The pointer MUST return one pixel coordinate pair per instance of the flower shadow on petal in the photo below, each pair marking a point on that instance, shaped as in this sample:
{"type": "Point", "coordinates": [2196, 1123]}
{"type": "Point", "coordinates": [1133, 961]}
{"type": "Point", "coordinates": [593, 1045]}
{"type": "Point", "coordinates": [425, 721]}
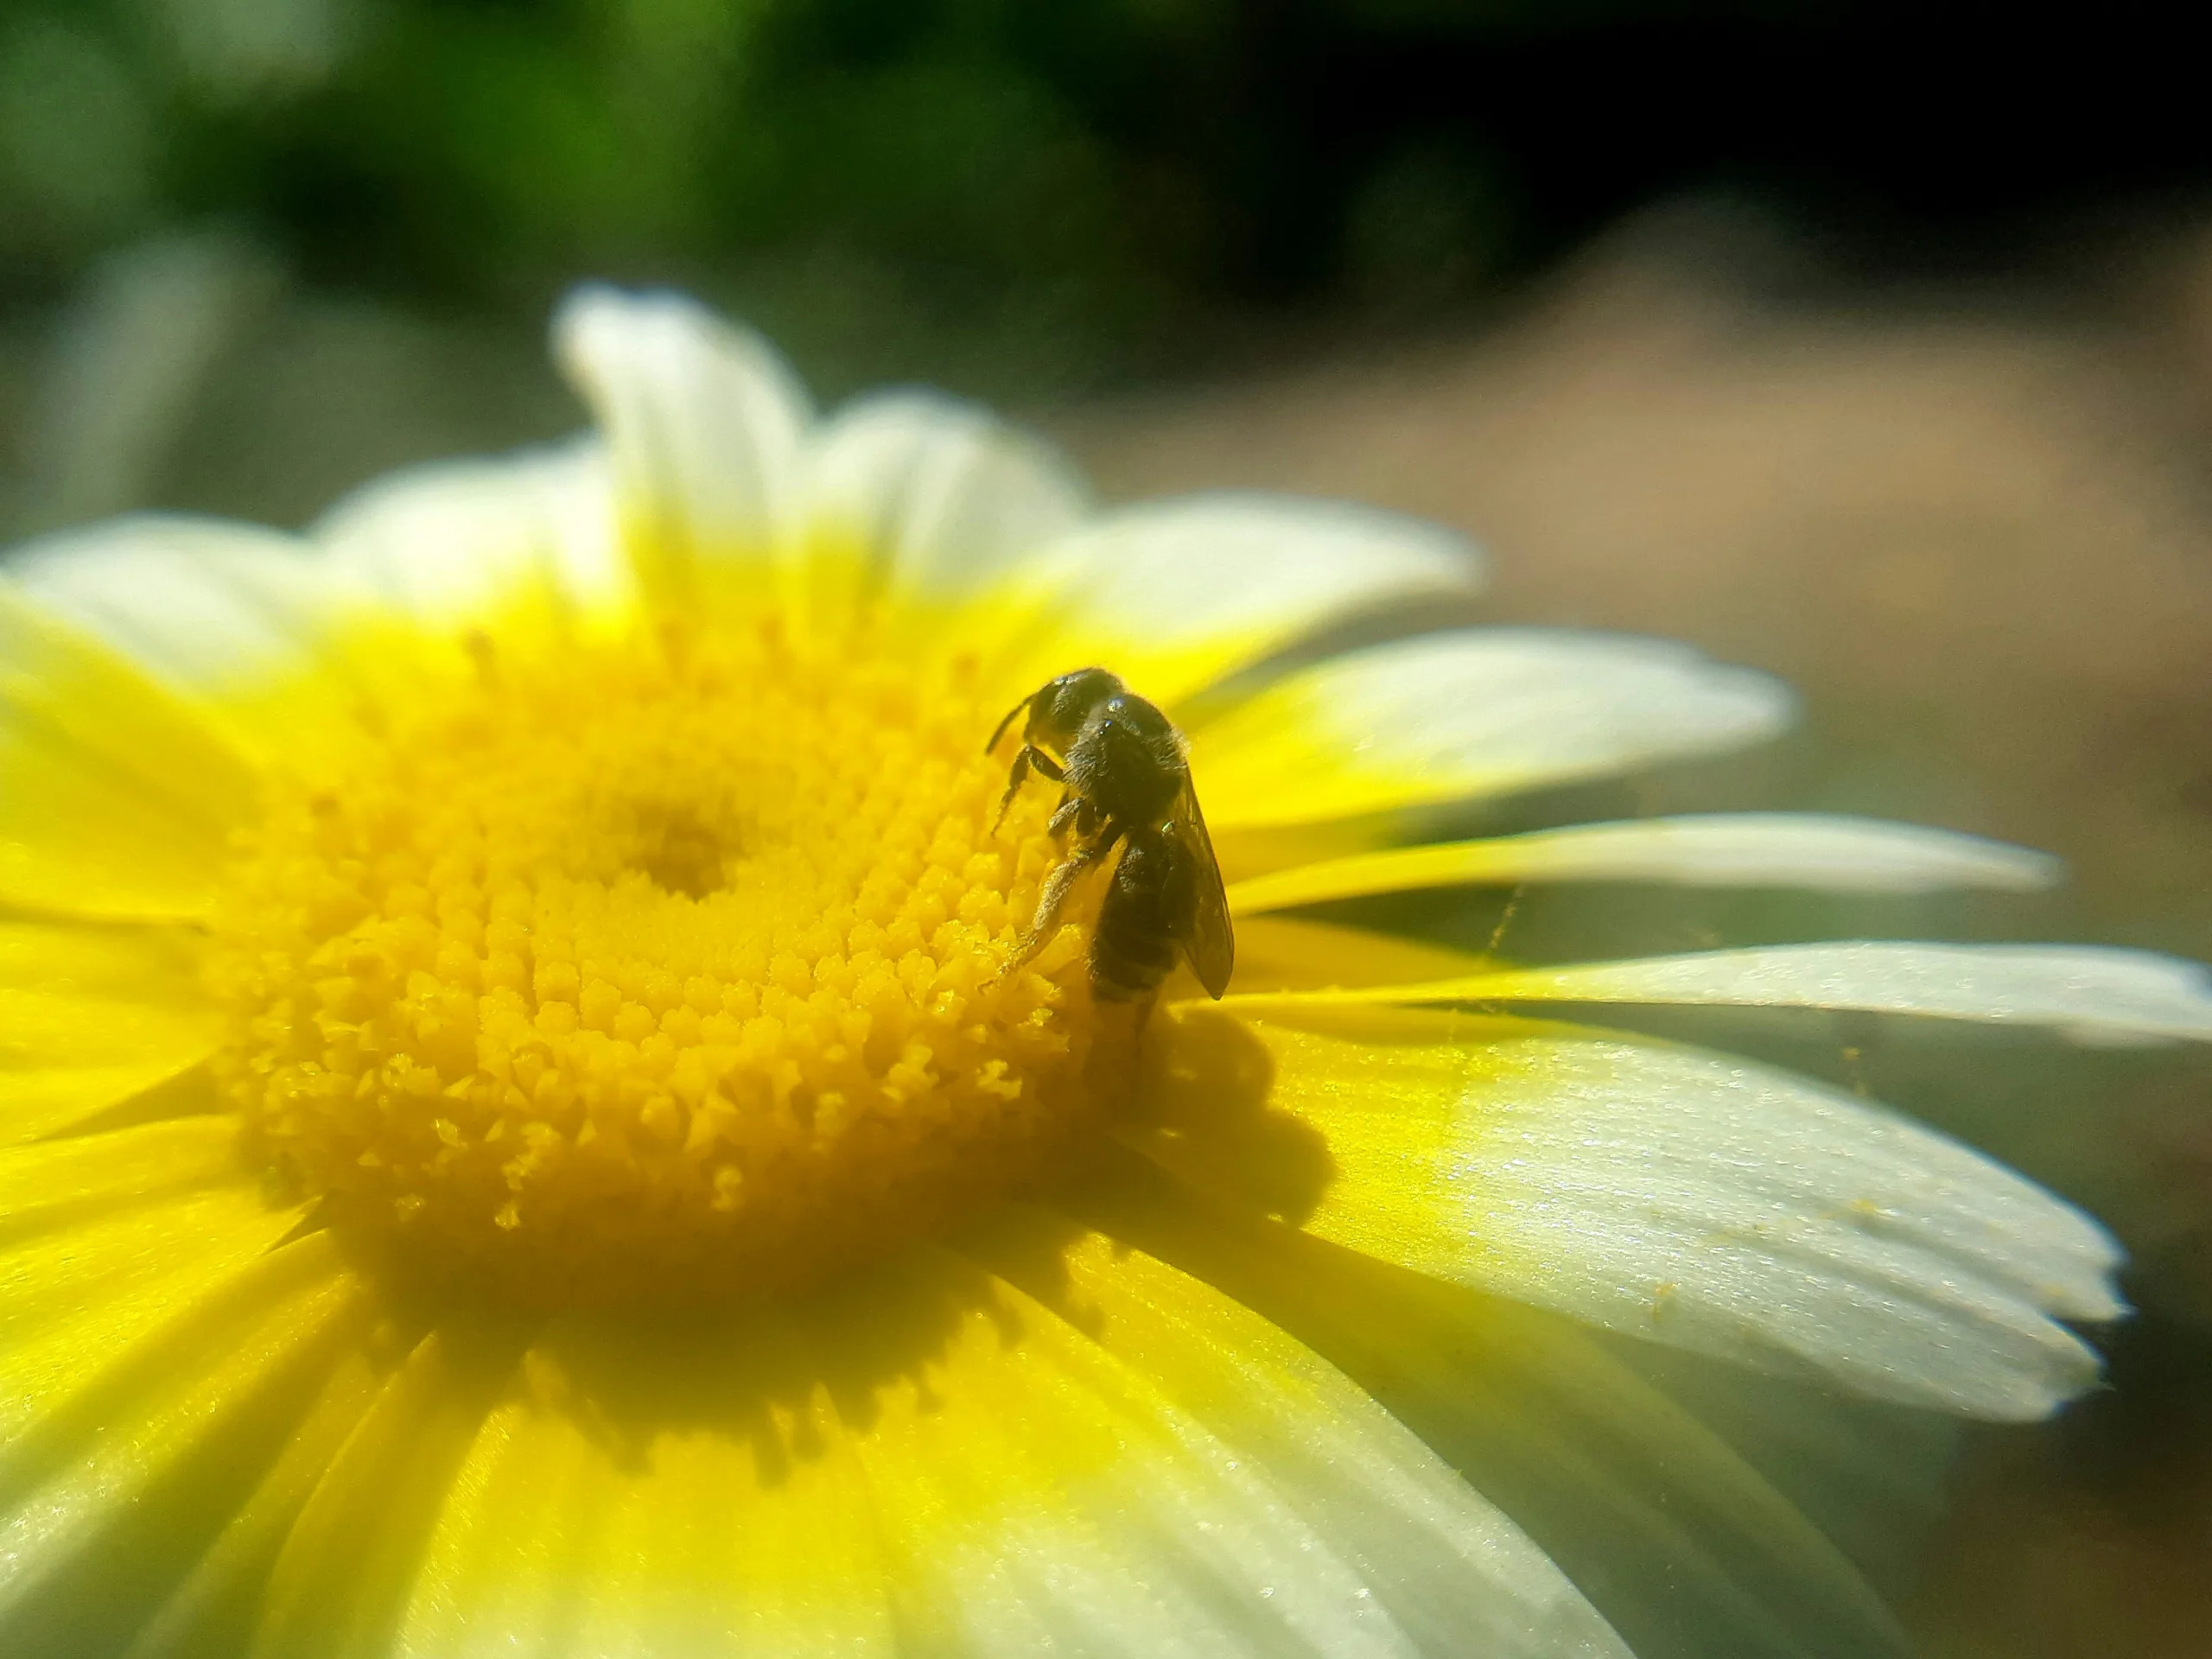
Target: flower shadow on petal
{"type": "Point", "coordinates": [755, 1374]}
{"type": "Point", "coordinates": [788, 1387]}
{"type": "Point", "coordinates": [1206, 1082]}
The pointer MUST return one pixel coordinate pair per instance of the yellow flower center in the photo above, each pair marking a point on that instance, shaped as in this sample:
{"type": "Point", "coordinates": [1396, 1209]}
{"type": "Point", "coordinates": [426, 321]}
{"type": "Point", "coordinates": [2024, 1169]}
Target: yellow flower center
{"type": "Point", "coordinates": [669, 966]}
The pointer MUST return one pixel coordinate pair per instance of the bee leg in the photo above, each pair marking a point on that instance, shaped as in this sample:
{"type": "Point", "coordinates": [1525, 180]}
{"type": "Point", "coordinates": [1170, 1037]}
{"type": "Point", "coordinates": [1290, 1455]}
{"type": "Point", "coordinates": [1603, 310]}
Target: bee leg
{"type": "Point", "coordinates": [1080, 812]}
{"type": "Point", "coordinates": [1028, 759]}
{"type": "Point", "coordinates": [1015, 780]}
{"type": "Point", "coordinates": [1072, 810]}
{"type": "Point", "coordinates": [1054, 898]}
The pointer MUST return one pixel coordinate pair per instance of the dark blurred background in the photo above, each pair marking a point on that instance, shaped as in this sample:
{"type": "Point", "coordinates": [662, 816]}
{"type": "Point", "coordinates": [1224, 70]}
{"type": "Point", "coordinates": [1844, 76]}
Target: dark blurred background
{"type": "Point", "coordinates": [1117, 188]}
{"type": "Point", "coordinates": [1869, 343]}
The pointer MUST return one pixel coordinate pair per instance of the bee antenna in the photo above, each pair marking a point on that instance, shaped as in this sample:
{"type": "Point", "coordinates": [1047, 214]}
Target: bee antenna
{"type": "Point", "coordinates": [1009, 720]}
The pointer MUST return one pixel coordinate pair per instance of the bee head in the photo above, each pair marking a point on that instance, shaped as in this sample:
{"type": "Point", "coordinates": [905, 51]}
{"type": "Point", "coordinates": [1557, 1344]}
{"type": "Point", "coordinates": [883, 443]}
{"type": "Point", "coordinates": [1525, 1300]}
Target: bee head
{"type": "Point", "coordinates": [1059, 710]}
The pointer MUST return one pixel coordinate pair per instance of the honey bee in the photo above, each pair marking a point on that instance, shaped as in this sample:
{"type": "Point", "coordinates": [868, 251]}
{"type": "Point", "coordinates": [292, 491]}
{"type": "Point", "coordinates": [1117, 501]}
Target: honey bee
{"type": "Point", "coordinates": [1126, 782]}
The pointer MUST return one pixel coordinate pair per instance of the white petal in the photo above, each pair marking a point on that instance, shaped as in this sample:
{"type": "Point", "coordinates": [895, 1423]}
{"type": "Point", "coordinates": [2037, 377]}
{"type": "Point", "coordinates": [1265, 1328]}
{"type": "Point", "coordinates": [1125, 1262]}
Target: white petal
{"type": "Point", "coordinates": [1175, 595]}
{"type": "Point", "coordinates": [219, 613]}
{"type": "Point", "coordinates": [119, 797]}
{"type": "Point", "coordinates": [1468, 714]}
{"type": "Point", "coordinates": [1724, 1208]}
{"type": "Point", "coordinates": [1693, 1199]}
{"type": "Point", "coordinates": [1440, 1558]}
{"type": "Point", "coordinates": [1741, 849]}
{"type": "Point", "coordinates": [1679, 1545]}
{"type": "Point", "coordinates": [2090, 993]}
{"type": "Point", "coordinates": [702, 421]}
{"type": "Point", "coordinates": [936, 494]}
{"type": "Point", "coordinates": [1042, 1495]}
{"type": "Point", "coordinates": [455, 543]}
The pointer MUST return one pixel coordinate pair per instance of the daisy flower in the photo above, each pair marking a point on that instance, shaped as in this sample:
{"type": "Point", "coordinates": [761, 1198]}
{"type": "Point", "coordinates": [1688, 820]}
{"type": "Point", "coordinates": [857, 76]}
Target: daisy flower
{"type": "Point", "coordinates": [532, 1124]}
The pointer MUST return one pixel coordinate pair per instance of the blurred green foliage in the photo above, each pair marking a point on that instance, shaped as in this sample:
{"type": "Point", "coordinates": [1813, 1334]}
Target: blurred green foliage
{"type": "Point", "coordinates": [1083, 187]}
{"type": "Point", "coordinates": [1092, 170]}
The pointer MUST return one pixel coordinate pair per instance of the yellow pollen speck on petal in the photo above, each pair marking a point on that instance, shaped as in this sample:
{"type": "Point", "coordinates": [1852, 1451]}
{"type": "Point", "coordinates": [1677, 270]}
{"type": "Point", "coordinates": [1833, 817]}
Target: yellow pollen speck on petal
{"type": "Point", "coordinates": [671, 966]}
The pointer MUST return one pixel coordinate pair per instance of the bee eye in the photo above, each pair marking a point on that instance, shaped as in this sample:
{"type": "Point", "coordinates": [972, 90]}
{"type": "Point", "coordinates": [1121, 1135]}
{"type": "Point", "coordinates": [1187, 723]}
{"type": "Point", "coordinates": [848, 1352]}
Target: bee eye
{"type": "Point", "coordinates": [1071, 697]}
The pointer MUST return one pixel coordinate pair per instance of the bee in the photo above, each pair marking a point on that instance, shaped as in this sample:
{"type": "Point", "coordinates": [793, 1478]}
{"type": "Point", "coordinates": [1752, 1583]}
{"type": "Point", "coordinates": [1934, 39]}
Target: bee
{"type": "Point", "coordinates": [1126, 782]}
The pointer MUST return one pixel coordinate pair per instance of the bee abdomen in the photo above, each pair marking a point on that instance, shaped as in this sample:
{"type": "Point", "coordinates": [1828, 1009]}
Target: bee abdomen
{"type": "Point", "coordinates": [1122, 969]}
{"type": "Point", "coordinates": [1144, 920]}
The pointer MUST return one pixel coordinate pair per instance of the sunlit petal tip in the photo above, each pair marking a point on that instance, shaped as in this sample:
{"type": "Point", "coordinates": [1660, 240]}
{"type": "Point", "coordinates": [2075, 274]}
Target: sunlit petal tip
{"type": "Point", "coordinates": [450, 542]}
{"type": "Point", "coordinates": [1692, 1200]}
{"type": "Point", "coordinates": [936, 491]}
{"type": "Point", "coordinates": [204, 605]}
{"type": "Point", "coordinates": [1183, 593]}
{"type": "Point", "coordinates": [115, 797]}
{"type": "Point", "coordinates": [1746, 849]}
{"type": "Point", "coordinates": [2089, 993]}
{"type": "Point", "coordinates": [1809, 850]}
{"type": "Point", "coordinates": [704, 420]}
{"type": "Point", "coordinates": [1470, 713]}
{"type": "Point", "coordinates": [604, 335]}
{"type": "Point", "coordinates": [1371, 553]}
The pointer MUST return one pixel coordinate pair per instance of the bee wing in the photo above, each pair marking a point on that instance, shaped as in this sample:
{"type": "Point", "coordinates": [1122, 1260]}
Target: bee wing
{"type": "Point", "coordinates": [1212, 945]}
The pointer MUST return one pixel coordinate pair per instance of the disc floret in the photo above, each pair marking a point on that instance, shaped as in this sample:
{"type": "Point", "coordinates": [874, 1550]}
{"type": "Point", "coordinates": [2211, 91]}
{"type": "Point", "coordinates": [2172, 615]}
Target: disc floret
{"type": "Point", "coordinates": [670, 965]}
